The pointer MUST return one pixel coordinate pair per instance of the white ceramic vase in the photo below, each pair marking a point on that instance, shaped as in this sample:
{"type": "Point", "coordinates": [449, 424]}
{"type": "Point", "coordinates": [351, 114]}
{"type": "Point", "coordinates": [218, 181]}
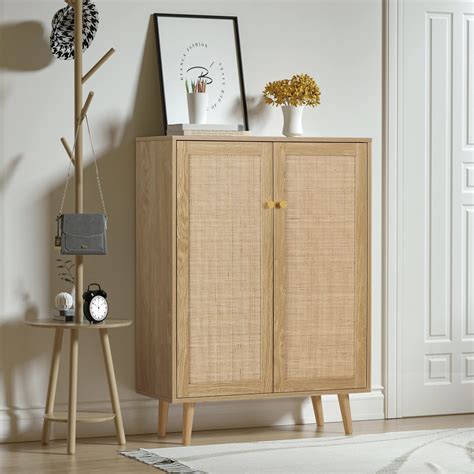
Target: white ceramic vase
{"type": "Point", "coordinates": [292, 120]}
{"type": "Point", "coordinates": [197, 107]}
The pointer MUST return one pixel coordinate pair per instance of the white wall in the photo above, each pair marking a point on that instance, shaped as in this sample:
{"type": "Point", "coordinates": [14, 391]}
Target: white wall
{"type": "Point", "coordinates": [338, 42]}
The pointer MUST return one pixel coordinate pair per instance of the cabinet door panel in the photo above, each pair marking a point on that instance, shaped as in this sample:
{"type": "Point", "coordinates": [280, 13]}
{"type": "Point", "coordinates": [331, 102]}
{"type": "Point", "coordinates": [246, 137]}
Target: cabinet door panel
{"type": "Point", "coordinates": [321, 266]}
{"type": "Point", "coordinates": [225, 268]}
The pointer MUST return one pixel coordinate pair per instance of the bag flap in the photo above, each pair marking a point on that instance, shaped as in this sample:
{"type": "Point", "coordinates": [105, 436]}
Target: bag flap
{"type": "Point", "coordinates": [83, 225]}
{"type": "Point", "coordinates": [94, 243]}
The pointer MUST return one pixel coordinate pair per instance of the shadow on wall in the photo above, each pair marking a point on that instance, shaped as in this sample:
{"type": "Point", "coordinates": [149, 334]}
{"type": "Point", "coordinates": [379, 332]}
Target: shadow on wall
{"type": "Point", "coordinates": [115, 272]}
{"type": "Point", "coordinates": [30, 45]}
{"type": "Point", "coordinates": [14, 356]}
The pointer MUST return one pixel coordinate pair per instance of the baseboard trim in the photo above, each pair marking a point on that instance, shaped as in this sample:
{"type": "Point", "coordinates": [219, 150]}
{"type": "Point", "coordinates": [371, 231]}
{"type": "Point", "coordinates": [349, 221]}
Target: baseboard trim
{"type": "Point", "coordinates": [140, 416]}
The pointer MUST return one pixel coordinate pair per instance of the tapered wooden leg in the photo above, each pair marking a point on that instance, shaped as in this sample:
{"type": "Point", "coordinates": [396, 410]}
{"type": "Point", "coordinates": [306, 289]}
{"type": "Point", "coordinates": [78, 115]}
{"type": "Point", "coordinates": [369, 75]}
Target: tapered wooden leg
{"type": "Point", "coordinates": [318, 409]}
{"type": "Point", "coordinates": [188, 415]}
{"type": "Point", "coordinates": [345, 412]}
{"type": "Point", "coordinates": [109, 367]}
{"type": "Point", "coordinates": [53, 381]}
{"type": "Point", "coordinates": [162, 418]}
{"type": "Point", "coordinates": [71, 419]}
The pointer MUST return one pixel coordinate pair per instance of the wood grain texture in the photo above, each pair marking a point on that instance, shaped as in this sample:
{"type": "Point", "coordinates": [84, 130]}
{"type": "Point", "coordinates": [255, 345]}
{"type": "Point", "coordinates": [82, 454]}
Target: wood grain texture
{"type": "Point", "coordinates": [155, 269]}
{"type": "Point", "coordinates": [72, 402]}
{"type": "Point", "coordinates": [362, 265]}
{"type": "Point", "coordinates": [205, 398]}
{"type": "Point", "coordinates": [318, 409]}
{"type": "Point", "coordinates": [345, 406]}
{"type": "Point", "coordinates": [188, 417]}
{"type": "Point", "coordinates": [113, 391]}
{"type": "Point", "coordinates": [99, 455]}
{"type": "Point", "coordinates": [53, 324]}
{"type": "Point", "coordinates": [52, 383]}
{"type": "Point", "coordinates": [320, 267]}
{"type": "Point", "coordinates": [81, 417]}
{"type": "Point", "coordinates": [220, 138]}
{"type": "Point", "coordinates": [224, 268]}
{"type": "Point", "coordinates": [204, 203]}
{"type": "Point", "coordinates": [163, 411]}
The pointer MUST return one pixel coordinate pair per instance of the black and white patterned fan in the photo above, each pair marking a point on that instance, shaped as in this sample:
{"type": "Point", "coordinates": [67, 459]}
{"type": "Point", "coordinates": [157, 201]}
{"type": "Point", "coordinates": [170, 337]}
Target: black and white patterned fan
{"type": "Point", "coordinates": [62, 34]}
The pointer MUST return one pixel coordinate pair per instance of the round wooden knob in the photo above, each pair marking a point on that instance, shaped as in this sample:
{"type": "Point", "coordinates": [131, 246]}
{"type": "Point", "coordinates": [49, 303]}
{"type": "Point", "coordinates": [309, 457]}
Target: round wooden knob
{"type": "Point", "coordinates": [269, 204]}
{"type": "Point", "coordinates": [281, 205]}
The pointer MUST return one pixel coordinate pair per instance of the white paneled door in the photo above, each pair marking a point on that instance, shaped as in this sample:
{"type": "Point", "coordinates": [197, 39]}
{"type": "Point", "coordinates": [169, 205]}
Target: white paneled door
{"type": "Point", "coordinates": [437, 207]}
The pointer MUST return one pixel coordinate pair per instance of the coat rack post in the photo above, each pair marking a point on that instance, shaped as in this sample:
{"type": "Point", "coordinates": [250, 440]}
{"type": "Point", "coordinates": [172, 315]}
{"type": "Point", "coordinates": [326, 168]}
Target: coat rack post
{"type": "Point", "coordinates": [78, 155]}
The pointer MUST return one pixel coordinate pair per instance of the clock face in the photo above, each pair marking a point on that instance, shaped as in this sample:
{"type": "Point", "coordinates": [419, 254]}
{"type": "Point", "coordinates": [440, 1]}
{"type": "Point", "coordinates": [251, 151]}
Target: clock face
{"type": "Point", "coordinates": [199, 62]}
{"type": "Point", "coordinates": [98, 308]}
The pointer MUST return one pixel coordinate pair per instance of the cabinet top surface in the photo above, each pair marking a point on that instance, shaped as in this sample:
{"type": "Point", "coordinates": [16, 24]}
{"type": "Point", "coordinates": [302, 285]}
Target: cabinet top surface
{"type": "Point", "coordinates": [255, 138]}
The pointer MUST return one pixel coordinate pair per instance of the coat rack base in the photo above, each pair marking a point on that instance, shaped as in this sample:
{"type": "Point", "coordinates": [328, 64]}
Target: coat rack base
{"type": "Point", "coordinates": [73, 416]}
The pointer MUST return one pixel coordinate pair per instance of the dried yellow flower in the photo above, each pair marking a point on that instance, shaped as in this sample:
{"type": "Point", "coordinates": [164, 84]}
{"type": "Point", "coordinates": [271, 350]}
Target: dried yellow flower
{"type": "Point", "coordinates": [301, 89]}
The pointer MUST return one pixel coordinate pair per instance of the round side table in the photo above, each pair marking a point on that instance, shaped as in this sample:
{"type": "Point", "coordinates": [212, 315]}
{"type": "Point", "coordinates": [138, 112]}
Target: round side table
{"type": "Point", "coordinates": [72, 416]}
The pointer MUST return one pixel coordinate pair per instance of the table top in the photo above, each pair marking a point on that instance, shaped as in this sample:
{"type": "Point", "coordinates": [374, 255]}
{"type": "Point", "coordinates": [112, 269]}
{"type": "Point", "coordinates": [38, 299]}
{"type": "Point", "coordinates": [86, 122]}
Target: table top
{"type": "Point", "coordinates": [52, 323]}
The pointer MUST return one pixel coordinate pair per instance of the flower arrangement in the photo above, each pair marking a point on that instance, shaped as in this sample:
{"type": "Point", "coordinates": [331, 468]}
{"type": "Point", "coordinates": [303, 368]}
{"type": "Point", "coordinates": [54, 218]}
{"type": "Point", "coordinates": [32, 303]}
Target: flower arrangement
{"type": "Point", "coordinates": [301, 89]}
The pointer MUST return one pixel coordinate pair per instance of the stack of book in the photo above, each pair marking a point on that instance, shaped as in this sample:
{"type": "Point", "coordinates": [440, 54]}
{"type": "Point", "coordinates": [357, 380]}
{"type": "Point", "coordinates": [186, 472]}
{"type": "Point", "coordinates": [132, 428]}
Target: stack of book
{"type": "Point", "coordinates": [182, 129]}
{"type": "Point", "coordinates": [64, 315]}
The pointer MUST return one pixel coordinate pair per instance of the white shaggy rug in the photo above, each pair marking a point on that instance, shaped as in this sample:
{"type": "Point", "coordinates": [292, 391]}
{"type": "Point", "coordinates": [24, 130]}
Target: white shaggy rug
{"type": "Point", "coordinates": [434, 451]}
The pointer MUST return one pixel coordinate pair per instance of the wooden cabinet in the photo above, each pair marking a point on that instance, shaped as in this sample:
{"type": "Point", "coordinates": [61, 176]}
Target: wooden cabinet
{"type": "Point", "coordinates": [253, 265]}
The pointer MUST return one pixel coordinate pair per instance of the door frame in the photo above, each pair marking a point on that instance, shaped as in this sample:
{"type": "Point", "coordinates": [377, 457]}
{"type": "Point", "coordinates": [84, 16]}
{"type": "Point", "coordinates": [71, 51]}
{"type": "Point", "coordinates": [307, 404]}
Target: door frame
{"type": "Point", "coordinates": [392, 167]}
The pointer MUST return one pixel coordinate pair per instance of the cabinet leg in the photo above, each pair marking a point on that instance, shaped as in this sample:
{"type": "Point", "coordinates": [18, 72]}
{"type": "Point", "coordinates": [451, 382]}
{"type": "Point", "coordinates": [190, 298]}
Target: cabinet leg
{"type": "Point", "coordinates": [114, 398]}
{"type": "Point", "coordinates": [318, 409]}
{"type": "Point", "coordinates": [345, 412]}
{"type": "Point", "coordinates": [188, 415]}
{"type": "Point", "coordinates": [72, 407]}
{"type": "Point", "coordinates": [53, 381]}
{"type": "Point", "coordinates": [162, 418]}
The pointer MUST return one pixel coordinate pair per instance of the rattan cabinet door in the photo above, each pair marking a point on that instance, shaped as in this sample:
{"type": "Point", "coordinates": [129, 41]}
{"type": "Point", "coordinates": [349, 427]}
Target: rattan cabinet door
{"type": "Point", "coordinates": [321, 266]}
{"type": "Point", "coordinates": [224, 268]}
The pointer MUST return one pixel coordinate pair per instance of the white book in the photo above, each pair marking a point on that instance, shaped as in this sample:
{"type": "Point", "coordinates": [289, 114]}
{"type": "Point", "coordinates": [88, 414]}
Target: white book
{"type": "Point", "coordinates": [181, 127]}
{"type": "Point", "coordinates": [223, 133]}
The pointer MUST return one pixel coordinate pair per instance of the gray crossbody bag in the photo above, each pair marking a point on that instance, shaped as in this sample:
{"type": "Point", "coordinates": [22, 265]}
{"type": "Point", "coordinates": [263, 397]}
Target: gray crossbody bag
{"type": "Point", "coordinates": [82, 234]}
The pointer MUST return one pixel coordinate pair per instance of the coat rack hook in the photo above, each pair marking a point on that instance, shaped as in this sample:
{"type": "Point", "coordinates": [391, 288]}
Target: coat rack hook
{"type": "Point", "coordinates": [67, 148]}
{"type": "Point", "coordinates": [86, 105]}
{"type": "Point", "coordinates": [97, 65]}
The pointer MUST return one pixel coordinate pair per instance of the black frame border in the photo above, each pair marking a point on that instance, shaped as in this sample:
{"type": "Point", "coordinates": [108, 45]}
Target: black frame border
{"type": "Point", "coordinates": [238, 52]}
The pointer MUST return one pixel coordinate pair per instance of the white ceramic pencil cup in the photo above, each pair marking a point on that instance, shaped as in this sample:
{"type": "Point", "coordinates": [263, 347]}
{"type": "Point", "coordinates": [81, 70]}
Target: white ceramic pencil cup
{"type": "Point", "coordinates": [197, 107]}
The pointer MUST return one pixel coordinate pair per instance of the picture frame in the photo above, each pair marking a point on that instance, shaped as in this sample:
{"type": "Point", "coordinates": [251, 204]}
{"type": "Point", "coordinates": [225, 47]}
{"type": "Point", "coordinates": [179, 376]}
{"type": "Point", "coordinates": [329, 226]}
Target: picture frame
{"type": "Point", "coordinates": [206, 47]}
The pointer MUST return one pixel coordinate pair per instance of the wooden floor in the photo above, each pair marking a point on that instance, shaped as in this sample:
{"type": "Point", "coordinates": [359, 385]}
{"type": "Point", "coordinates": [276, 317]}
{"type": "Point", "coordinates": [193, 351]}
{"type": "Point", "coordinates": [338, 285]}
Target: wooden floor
{"type": "Point", "coordinates": [99, 455]}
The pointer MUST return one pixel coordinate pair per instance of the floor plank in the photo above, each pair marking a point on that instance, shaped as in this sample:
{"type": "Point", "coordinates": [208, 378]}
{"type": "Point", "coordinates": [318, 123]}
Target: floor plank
{"type": "Point", "coordinates": [99, 455]}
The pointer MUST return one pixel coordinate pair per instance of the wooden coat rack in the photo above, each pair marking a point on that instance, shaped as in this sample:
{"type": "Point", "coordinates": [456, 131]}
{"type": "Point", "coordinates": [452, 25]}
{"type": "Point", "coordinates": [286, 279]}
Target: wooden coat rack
{"type": "Point", "coordinates": [80, 112]}
{"type": "Point", "coordinates": [76, 156]}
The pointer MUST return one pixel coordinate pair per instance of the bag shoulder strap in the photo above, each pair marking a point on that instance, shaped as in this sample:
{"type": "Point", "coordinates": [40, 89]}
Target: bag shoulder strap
{"type": "Point", "coordinates": [99, 185]}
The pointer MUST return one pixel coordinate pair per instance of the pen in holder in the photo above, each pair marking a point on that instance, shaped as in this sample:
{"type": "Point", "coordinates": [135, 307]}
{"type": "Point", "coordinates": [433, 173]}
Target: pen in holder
{"type": "Point", "coordinates": [197, 101]}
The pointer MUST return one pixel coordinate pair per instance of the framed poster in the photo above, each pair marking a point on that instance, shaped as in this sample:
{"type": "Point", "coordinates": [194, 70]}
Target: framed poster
{"type": "Point", "coordinates": [201, 47]}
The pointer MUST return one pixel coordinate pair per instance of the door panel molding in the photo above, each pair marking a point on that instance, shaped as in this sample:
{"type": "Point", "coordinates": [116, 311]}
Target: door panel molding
{"type": "Point", "coordinates": [446, 149]}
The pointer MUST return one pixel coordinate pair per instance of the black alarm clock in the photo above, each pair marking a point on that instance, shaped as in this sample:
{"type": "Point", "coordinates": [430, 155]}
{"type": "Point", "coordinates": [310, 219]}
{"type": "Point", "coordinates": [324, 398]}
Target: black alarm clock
{"type": "Point", "coordinates": [96, 307]}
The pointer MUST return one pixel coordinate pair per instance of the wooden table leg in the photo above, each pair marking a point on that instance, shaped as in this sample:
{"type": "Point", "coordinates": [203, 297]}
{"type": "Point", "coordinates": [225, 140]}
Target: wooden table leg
{"type": "Point", "coordinates": [188, 416]}
{"type": "Point", "coordinates": [345, 412]}
{"type": "Point", "coordinates": [72, 408]}
{"type": "Point", "coordinates": [318, 409]}
{"type": "Point", "coordinates": [162, 418]}
{"type": "Point", "coordinates": [53, 381]}
{"type": "Point", "coordinates": [109, 367]}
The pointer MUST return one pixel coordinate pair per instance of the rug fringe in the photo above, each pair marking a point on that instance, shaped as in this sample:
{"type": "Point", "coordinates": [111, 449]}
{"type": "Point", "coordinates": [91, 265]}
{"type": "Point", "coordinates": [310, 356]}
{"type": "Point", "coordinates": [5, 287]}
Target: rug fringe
{"type": "Point", "coordinates": [160, 462]}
